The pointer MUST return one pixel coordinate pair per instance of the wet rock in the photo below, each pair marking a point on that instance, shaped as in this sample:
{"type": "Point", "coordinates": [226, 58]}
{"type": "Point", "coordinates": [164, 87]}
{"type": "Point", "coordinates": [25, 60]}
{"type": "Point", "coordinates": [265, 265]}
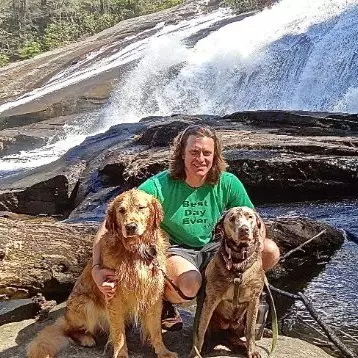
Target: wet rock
{"type": "Point", "coordinates": [289, 233]}
{"type": "Point", "coordinates": [15, 144]}
{"type": "Point", "coordinates": [267, 150]}
{"type": "Point", "coordinates": [16, 310]}
{"type": "Point", "coordinates": [42, 256]}
{"type": "Point", "coordinates": [48, 191]}
{"type": "Point", "coordinates": [94, 206]}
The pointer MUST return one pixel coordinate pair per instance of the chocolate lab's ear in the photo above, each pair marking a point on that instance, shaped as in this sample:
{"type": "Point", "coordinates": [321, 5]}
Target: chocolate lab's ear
{"type": "Point", "coordinates": [219, 231]}
{"type": "Point", "coordinates": [258, 221]}
{"type": "Point", "coordinates": [261, 228]}
{"type": "Point", "coordinates": [157, 212]}
{"type": "Point", "coordinates": [112, 224]}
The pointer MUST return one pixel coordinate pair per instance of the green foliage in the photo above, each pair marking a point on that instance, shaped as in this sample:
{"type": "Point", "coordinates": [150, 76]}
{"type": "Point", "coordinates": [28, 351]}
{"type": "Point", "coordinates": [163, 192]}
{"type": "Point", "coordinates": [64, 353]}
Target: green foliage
{"type": "Point", "coordinates": [4, 60]}
{"type": "Point", "coordinates": [28, 27]}
{"type": "Point", "coordinates": [248, 5]}
{"type": "Point", "coordinates": [93, 23]}
{"type": "Point", "coordinates": [30, 49]}
{"type": "Point", "coordinates": [59, 33]}
{"type": "Point", "coordinates": [169, 3]}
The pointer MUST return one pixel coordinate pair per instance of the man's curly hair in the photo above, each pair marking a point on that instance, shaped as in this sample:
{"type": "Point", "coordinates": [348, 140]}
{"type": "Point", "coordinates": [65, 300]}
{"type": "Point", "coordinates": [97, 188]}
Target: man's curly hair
{"type": "Point", "coordinates": [177, 168]}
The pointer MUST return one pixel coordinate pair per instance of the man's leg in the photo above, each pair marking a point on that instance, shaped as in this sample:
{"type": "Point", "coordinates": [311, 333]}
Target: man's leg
{"type": "Point", "coordinates": [185, 276]}
{"type": "Point", "coordinates": [270, 254]}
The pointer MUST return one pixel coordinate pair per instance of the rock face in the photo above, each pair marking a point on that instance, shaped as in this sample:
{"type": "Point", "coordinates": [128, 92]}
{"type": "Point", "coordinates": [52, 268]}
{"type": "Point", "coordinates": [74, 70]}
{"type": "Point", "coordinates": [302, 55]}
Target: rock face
{"type": "Point", "coordinates": [32, 122]}
{"type": "Point", "coordinates": [291, 232]}
{"type": "Point", "coordinates": [89, 93]}
{"type": "Point", "coordinates": [15, 337]}
{"type": "Point", "coordinates": [279, 156]}
{"type": "Point", "coordinates": [47, 257]}
{"type": "Point", "coordinates": [46, 191]}
{"type": "Point", "coordinates": [39, 256]}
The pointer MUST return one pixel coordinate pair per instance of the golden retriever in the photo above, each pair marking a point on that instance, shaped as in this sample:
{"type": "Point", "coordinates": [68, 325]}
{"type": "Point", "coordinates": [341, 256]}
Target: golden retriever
{"type": "Point", "coordinates": [234, 281]}
{"type": "Point", "coordinates": [134, 246]}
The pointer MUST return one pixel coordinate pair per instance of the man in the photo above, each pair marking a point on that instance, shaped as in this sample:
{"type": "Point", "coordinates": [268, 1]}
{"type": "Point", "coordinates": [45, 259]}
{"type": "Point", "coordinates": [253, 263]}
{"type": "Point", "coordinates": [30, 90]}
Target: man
{"type": "Point", "coordinates": [194, 193]}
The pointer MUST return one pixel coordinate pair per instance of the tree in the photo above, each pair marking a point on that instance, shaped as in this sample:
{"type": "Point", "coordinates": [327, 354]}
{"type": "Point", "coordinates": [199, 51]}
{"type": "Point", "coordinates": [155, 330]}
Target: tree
{"type": "Point", "coordinates": [28, 27]}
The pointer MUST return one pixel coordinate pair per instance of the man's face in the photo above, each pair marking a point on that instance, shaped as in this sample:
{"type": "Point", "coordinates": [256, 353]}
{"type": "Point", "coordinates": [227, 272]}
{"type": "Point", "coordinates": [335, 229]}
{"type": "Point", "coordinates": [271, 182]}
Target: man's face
{"type": "Point", "coordinates": [198, 156]}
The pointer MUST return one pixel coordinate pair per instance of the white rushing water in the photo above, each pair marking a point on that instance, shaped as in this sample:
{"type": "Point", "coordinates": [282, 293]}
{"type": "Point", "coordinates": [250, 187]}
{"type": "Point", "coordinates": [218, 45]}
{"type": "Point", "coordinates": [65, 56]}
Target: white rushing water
{"type": "Point", "coordinates": [299, 55]}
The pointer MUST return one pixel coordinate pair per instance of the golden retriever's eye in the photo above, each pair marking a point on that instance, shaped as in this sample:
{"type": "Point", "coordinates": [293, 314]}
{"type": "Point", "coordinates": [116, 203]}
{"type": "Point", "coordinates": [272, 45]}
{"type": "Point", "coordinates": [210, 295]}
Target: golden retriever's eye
{"type": "Point", "coordinates": [142, 207]}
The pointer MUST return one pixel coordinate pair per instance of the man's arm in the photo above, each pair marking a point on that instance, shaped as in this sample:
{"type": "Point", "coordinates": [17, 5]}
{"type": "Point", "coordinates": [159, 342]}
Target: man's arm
{"type": "Point", "coordinates": [96, 253]}
{"type": "Point", "coordinates": [104, 278]}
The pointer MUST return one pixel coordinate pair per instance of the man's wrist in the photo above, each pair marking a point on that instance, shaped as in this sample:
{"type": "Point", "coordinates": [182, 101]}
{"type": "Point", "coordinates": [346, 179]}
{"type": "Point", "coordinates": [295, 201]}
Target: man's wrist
{"type": "Point", "coordinates": [96, 265]}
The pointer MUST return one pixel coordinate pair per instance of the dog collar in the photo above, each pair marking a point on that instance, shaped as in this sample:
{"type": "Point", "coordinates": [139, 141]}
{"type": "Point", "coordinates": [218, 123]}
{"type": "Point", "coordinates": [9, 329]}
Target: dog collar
{"type": "Point", "coordinates": [236, 262]}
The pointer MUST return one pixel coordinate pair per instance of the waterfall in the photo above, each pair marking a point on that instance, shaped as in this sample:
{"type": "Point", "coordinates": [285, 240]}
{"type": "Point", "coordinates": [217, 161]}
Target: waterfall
{"type": "Point", "coordinates": [299, 55]}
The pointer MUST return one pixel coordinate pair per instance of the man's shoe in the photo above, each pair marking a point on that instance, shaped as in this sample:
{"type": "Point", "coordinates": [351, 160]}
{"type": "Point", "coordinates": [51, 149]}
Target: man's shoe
{"type": "Point", "coordinates": [171, 320]}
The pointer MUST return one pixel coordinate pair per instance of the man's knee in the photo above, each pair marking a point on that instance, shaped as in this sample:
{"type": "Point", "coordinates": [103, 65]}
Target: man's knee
{"type": "Point", "coordinates": [270, 255]}
{"type": "Point", "coordinates": [189, 284]}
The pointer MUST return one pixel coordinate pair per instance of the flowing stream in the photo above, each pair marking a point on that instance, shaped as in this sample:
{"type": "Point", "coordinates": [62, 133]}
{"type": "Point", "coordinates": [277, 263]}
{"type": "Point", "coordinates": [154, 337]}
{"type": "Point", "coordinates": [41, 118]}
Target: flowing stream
{"type": "Point", "coordinates": [334, 291]}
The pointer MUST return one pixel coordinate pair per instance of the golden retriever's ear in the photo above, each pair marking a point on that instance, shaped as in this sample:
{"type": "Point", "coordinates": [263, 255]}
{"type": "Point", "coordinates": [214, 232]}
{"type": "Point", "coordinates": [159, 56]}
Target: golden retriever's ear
{"type": "Point", "coordinates": [157, 212]}
{"type": "Point", "coordinates": [112, 224]}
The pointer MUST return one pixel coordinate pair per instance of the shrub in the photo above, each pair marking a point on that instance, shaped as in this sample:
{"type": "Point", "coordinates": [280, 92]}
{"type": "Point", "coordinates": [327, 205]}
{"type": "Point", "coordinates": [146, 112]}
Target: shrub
{"type": "Point", "coordinates": [60, 33]}
{"type": "Point", "coordinates": [30, 49]}
{"type": "Point", "coordinates": [247, 5]}
{"type": "Point", "coordinates": [4, 59]}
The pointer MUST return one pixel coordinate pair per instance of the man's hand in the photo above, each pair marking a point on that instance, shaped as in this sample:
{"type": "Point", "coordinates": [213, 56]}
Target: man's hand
{"type": "Point", "coordinates": [105, 280]}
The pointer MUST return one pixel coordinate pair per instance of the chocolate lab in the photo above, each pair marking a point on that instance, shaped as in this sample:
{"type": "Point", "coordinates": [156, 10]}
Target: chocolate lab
{"type": "Point", "coordinates": [234, 281]}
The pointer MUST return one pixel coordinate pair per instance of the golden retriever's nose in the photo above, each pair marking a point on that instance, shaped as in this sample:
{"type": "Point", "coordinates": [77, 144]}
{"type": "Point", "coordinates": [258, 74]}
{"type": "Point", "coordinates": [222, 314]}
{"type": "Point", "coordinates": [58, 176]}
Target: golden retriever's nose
{"type": "Point", "coordinates": [131, 228]}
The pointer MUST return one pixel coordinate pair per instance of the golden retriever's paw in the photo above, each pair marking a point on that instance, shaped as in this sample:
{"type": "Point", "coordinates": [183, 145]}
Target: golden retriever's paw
{"type": "Point", "coordinates": [254, 354]}
{"type": "Point", "coordinates": [38, 352]}
{"type": "Point", "coordinates": [168, 354]}
{"type": "Point", "coordinates": [39, 356]}
{"type": "Point", "coordinates": [87, 340]}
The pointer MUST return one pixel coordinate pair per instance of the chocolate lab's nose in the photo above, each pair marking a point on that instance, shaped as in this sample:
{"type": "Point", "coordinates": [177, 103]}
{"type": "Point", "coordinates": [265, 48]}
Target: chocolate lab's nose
{"type": "Point", "coordinates": [131, 228]}
{"type": "Point", "coordinates": [244, 230]}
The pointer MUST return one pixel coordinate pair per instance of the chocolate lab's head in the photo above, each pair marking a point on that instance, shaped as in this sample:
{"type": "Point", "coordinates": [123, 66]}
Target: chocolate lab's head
{"type": "Point", "coordinates": [133, 215]}
{"type": "Point", "coordinates": [240, 225]}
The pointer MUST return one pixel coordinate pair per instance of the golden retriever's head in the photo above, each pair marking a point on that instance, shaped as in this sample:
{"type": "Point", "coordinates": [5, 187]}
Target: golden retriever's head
{"type": "Point", "coordinates": [240, 224]}
{"type": "Point", "coordinates": [133, 214]}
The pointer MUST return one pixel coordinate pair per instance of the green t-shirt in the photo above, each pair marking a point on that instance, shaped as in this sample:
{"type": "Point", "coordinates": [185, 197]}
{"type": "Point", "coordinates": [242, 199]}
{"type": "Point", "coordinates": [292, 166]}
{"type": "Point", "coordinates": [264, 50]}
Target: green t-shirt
{"type": "Point", "coordinates": [190, 214]}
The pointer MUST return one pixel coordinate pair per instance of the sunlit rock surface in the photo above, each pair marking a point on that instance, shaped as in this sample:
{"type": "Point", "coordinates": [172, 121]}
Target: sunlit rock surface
{"type": "Point", "coordinates": [15, 337]}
